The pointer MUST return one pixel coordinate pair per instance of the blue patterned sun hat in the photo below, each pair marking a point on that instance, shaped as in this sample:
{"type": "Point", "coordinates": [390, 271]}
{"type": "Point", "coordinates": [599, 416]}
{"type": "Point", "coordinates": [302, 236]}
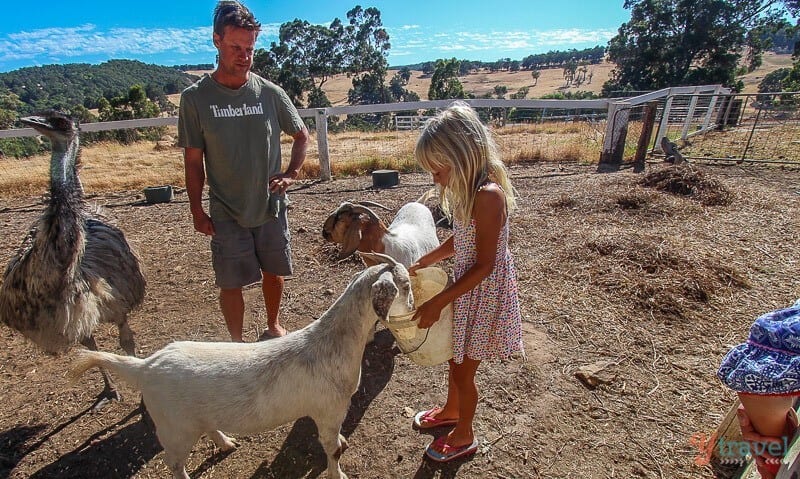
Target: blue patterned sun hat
{"type": "Point", "coordinates": [769, 362]}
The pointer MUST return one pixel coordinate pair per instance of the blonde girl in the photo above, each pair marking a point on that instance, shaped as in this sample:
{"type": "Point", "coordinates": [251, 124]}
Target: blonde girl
{"type": "Point", "coordinates": [475, 192]}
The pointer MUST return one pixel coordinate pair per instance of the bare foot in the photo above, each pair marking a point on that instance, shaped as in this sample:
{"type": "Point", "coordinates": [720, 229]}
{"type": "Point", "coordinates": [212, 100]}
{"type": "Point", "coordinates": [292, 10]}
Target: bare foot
{"type": "Point", "coordinates": [272, 333]}
{"type": "Point", "coordinates": [277, 331]}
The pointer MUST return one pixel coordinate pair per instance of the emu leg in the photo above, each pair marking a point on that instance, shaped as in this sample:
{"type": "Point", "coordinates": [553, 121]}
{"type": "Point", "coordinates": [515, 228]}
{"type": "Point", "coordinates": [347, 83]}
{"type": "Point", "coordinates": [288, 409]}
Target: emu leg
{"type": "Point", "coordinates": [126, 341]}
{"type": "Point", "coordinates": [109, 392]}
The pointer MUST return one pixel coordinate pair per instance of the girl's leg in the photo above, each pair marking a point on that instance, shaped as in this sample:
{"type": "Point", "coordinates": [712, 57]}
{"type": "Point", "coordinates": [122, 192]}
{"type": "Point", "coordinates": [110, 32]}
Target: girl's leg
{"type": "Point", "coordinates": [463, 378]}
{"type": "Point", "coordinates": [767, 413]}
{"type": "Point", "coordinates": [450, 408]}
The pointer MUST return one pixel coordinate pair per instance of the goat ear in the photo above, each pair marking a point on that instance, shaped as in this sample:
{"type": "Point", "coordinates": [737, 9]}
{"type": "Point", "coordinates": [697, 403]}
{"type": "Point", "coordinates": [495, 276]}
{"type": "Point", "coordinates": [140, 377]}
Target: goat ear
{"type": "Point", "coordinates": [351, 238]}
{"type": "Point", "coordinates": [327, 227]}
{"type": "Point", "coordinates": [384, 291]}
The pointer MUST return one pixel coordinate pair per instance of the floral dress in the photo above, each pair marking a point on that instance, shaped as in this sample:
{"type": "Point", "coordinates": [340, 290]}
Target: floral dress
{"type": "Point", "coordinates": [487, 323]}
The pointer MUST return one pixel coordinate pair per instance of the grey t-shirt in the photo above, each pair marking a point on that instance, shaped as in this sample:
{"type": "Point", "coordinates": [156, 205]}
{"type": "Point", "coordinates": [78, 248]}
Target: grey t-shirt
{"type": "Point", "coordinates": [239, 132]}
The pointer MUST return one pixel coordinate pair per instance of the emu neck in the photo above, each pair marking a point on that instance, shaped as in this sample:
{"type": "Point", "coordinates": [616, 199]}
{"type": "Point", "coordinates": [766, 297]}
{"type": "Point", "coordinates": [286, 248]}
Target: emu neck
{"type": "Point", "coordinates": [64, 181]}
{"type": "Point", "coordinates": [62, 226]}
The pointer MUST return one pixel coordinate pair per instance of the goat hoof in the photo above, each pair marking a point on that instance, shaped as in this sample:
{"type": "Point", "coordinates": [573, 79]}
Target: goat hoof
{"type": "Point", "coordinates": [230, 445]}
{"type": "Point", "coordinates": [105, 398]}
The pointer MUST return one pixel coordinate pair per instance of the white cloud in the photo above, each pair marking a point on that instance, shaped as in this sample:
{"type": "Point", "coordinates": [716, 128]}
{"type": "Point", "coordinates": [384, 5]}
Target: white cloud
{"type": "Point", "coordinates": [70, 43]}
{"type": "Point", "coordinates": [55, 45]}
{"type": "Point", "coordinates": [491, 44]}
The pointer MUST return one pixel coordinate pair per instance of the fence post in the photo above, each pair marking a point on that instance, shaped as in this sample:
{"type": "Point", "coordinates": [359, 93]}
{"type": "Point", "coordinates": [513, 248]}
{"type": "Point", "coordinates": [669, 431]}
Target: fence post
{"type": "Point", "coordinates": [322, 144]}
{"type": "Point", "coordinates": [648, 122]}
{"type": "Point", "coordinates": [614, 141]}
{"type": "Point", "coordinates": [662, 128]}
{"type": "Point", "coordinates": [712, 103]}
{"type": "Point", "coordinates": [689, 114]}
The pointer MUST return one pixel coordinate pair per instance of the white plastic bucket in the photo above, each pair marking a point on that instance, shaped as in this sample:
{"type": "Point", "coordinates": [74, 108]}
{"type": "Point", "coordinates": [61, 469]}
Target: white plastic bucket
{"type": "Point", "coordinates": [426, 347]}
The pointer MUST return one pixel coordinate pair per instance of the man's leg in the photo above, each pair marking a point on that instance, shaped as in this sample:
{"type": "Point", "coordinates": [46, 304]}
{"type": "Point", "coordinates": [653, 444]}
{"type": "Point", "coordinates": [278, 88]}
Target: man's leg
{"type": "Point", "coordinates": [272, 288]}
{"type": "Point", "coordinates": [231, 302]}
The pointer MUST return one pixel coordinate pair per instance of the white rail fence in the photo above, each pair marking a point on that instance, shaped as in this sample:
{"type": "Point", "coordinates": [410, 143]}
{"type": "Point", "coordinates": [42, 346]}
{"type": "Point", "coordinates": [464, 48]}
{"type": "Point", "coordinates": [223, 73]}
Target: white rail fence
{"type": "Point", "coordinates": [615, 110]}
{"type": "Point", "coordinates": [406, 122]}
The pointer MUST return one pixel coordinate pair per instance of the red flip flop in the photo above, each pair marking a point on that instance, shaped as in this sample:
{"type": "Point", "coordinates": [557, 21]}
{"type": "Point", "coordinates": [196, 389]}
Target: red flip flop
{"type": "Point", "coordinates": [448, 452]}
{"type": "Point", "coordinates": [426, 419]}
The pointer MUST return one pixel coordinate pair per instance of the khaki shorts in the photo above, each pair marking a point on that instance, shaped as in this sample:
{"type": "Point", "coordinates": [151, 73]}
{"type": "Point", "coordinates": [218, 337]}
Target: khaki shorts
{"type": "Point", "coordinates": [240, 254]}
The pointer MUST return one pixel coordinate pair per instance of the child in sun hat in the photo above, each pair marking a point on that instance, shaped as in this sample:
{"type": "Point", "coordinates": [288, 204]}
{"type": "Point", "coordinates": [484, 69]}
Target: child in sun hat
{"type": "Point", "coordinates": [765, 372]}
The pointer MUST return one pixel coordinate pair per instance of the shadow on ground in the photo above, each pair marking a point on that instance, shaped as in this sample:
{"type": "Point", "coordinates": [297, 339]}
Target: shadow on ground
{"type": "Point", "coordinates": [301, 454]}
{"type": "Point", "coordinates": [120, 455]}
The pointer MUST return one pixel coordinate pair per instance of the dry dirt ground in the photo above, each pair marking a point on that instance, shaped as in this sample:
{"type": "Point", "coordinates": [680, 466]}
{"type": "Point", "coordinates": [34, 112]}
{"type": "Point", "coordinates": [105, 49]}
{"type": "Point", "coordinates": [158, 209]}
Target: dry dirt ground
{"type": "Point", "coordinates": [648, 287]}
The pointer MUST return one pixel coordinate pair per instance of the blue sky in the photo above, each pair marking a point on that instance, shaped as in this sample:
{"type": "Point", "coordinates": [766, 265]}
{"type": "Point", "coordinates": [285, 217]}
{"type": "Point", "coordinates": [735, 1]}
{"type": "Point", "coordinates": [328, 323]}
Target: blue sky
{"type": "Point", "coordinates": [170, 32]}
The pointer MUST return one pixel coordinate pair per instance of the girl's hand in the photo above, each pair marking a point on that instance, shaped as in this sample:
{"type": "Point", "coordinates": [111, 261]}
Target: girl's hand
{"type": "Point", "coordinates": [427, 314]}
{"type": "Point", "coordinates": [414, 267]}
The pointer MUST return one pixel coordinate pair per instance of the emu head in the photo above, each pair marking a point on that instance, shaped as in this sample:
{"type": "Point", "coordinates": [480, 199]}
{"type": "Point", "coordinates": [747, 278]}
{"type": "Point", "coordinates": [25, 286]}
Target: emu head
{"type": "Point", "coordinates": [391, 292]}
{"type": "Point", "coordinates": [65, 159]}
{"type": "Point", "coordinates": [344, 226]}
{"type": "Point", "coordinates": [57, 126]}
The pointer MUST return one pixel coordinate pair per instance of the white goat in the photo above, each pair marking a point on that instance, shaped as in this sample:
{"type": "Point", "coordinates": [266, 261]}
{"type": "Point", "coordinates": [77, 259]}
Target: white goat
{"type": "Point", "coordinates": [195, 388]}
{"type": "Point", "coordinates": [411, 234]}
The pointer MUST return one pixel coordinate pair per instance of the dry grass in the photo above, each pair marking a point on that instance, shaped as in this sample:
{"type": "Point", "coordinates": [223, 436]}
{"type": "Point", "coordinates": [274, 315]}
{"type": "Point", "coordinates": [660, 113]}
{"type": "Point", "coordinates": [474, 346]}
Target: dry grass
{"type": "Point", "coordinates": [771, 62]}
{"type": "Point", "coordinates": [686, 180]}
{"type": "Point", "coordinates": [551, 80]}
{"type": "Point", "coordinates": [105, 167]}
{"type": "Point", "coordinates": [110, 167]}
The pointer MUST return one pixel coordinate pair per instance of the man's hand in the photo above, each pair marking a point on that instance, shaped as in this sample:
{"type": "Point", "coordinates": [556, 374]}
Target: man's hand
{"type": "Point", "coordinates": [202, 223]}
{"type": "Point", "coordinates": [281, 182]}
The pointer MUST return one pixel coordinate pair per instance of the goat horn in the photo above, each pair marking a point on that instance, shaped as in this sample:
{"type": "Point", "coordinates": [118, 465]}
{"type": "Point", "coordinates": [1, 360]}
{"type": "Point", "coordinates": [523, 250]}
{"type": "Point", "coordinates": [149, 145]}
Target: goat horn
{"type": "Point", "coordinates": [363, 209]}
{"type": "Point", "coordinates": [379, 258]}
{"type": "Point", "coordinates": [428, 195]}
{"type": "Point", "coordinates": [376, 205]}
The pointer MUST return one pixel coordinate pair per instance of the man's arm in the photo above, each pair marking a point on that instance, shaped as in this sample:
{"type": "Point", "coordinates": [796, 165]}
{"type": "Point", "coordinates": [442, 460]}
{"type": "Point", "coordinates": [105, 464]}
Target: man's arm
{"type": "Point", "coordinates": [281, 182]}
{"type": "Point", "coordinates": [195, 180]}
{"type": "Point", "coordinates": [299, 147]}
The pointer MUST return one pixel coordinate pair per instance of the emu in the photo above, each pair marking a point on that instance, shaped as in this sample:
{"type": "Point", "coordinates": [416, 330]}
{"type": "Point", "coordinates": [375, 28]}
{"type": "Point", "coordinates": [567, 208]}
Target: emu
{"type": "Point", "coordinates": [72, 271]}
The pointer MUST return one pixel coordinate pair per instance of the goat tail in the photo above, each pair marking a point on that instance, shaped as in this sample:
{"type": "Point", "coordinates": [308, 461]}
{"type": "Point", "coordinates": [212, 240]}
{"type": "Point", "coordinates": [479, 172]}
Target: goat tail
{"type": "Point", "coordinates": [126, 367]}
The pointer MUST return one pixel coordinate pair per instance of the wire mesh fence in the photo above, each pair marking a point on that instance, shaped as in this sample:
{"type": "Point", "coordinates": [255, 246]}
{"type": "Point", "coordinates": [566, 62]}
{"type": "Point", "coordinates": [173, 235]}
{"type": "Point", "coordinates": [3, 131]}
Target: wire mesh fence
{"type": "Point", "coordinates": [755, 128]}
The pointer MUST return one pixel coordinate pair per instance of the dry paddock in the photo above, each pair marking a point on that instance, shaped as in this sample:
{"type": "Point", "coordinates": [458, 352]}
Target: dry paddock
{"type": "Point", "coordinates": [650, 284]}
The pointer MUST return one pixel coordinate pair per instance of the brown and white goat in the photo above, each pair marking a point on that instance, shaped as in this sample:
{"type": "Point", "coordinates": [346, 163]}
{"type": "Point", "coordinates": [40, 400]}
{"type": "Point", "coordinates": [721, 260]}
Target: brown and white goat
{"type": "Point", "coordinates": [356, 227]}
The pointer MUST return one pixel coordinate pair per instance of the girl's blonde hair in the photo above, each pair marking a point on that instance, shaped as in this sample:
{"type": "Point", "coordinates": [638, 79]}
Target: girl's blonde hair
{"type": "Point", "coordinates": [457, 138]}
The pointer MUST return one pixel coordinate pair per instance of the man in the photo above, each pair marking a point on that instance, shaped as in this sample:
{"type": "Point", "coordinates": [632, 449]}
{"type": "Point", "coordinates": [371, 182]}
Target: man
{"type": "Point", "coordinates": [229, 125]}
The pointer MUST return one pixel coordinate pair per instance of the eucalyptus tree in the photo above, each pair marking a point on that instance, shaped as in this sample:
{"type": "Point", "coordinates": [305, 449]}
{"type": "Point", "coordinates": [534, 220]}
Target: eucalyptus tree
{"type": "Point", "coordinates": [444, 82]}
{"type": "Point", "coordinates": [535, 74]}
{"type": "Point", "coordinates": [10, 106]}
{"type": "Point", "coordinates": [367, 46]}
{"type": "Point", "coordinates": [397, 86]}
{"type": "Point", "coordinates": [303, 59]}
{"type": "Point", "coordinates": [685, 42]}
